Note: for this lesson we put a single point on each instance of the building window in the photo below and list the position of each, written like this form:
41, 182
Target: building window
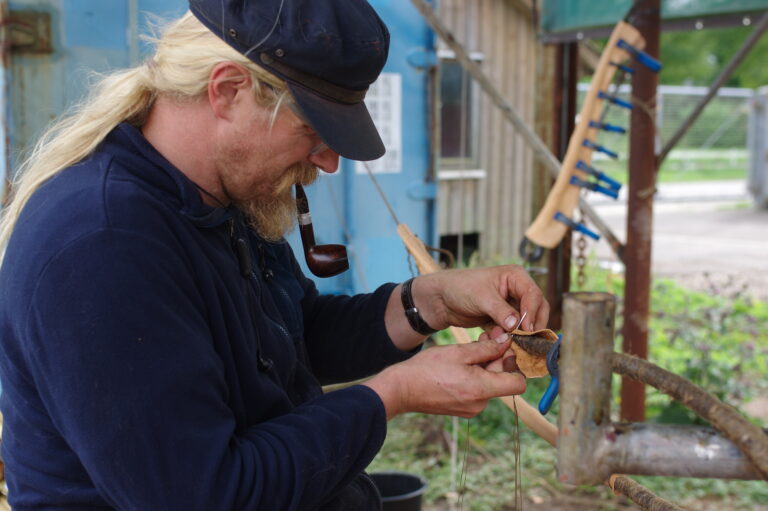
458, 114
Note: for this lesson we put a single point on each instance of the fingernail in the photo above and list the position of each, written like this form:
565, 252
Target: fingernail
510, 322
502, 338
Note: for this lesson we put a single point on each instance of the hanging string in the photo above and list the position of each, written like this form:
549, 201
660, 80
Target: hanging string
381, 192
463, 476
518, 502
210, 195
464, 102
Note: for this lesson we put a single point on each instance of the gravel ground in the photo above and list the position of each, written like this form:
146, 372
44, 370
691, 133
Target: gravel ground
708, 245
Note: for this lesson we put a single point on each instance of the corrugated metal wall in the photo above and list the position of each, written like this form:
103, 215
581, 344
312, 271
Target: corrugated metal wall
499, 205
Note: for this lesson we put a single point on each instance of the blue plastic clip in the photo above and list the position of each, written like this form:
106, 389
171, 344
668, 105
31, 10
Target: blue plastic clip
607, 127
615, 100
553, 357
612, 183
595, 187
642, 57
624, 68
576, 227
599, 148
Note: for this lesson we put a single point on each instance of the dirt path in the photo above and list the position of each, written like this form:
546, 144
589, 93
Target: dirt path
706, 245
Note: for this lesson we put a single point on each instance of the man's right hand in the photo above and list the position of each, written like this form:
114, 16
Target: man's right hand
447, 380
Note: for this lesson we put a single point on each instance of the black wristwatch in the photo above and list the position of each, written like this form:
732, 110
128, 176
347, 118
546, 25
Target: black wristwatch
412, 312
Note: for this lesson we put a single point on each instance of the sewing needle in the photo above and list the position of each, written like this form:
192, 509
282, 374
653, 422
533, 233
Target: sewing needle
519, 323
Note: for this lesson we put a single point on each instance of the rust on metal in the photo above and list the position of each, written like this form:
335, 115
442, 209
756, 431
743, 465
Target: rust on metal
29, 32
559, 258
642, 177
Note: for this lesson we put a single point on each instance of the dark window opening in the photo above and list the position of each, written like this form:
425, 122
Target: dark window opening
470, 243
457, 134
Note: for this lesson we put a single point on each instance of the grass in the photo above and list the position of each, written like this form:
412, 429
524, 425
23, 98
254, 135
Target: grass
687, 166
717, 339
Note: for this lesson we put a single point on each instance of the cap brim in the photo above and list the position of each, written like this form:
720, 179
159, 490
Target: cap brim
346, 128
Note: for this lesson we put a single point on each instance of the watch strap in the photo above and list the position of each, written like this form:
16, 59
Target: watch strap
412, 312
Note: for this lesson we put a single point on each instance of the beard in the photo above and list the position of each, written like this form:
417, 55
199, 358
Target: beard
274, 216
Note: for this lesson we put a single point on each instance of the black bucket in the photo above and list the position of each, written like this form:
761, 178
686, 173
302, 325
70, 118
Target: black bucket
400, 491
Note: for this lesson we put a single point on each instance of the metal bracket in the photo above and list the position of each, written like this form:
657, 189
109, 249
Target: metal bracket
421, 58
419, 190
29, 32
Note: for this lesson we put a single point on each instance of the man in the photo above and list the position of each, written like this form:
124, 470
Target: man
161, 348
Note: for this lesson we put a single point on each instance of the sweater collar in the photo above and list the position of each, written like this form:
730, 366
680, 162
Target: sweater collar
177, 188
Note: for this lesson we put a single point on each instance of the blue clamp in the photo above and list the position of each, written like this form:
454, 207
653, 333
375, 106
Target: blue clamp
607, 127
612, 183
576, 227
599, 148
553, 357
624, 68
595, 187
615, 100
642, 57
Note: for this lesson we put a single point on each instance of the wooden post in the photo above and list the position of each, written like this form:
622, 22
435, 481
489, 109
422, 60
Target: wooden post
585, 390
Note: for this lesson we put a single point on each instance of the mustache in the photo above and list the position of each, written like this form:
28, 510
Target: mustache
273, 217
303, 173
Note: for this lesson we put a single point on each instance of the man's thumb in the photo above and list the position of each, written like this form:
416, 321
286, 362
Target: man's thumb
486, 350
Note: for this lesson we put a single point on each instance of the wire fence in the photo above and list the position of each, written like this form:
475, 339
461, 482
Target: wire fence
715, 146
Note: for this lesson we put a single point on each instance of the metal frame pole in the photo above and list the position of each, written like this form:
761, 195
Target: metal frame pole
642, 186
559, 258
753, 38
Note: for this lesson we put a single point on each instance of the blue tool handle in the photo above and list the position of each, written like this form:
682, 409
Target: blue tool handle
545, 403
573, 225
624, 68
600, 175
595, 187
615, 100
599, 148
612, 183
583, 229
607, 127
642, 57
610, 192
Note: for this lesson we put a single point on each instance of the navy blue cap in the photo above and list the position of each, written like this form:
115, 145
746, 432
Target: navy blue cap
327, 51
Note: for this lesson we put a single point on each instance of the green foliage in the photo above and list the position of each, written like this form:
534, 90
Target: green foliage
718, 339
697, 57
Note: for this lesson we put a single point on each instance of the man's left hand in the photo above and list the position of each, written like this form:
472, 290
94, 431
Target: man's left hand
473, 297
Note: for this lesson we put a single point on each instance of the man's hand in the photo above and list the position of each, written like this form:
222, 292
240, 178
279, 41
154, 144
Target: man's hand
474, 297
447, 380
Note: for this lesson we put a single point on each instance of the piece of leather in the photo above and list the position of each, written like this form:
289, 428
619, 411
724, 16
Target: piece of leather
532, 366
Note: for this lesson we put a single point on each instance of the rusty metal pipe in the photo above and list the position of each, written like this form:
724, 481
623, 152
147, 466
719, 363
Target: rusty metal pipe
322, 260
642, 186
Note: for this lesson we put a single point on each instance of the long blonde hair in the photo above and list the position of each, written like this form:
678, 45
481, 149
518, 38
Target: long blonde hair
185, 55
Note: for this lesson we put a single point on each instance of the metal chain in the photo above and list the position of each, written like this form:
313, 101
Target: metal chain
581, 261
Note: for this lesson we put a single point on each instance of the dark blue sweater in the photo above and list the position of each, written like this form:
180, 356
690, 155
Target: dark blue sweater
144, 368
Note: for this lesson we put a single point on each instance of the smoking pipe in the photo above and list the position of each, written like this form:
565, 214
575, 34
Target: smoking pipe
322, 260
